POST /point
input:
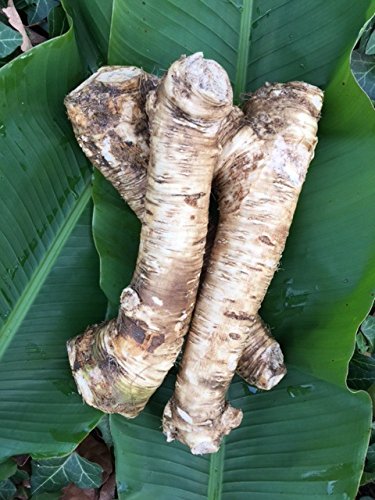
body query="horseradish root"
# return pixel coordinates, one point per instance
(117, 366)
(257, 196)
(109, 119)
(108, 115)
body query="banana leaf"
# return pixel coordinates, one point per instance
(49, 270)
(308, 437)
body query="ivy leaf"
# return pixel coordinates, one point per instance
(363, 67)
(361, 343)
(48, 496)
(40, 10)
(105, 430)
(370, 459)
(55, 473)
(7, 490)
(368, 330)
(370, 45)
(7, 469)
(361, 372)
(9, 40)
(369, 472)
(57, 22)
(19, 476)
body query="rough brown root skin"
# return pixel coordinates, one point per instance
(258, 193)
(185, 115)
(108, 115)
(108, 112)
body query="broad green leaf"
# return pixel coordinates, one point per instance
(361, 371)
(39, 10)
(7, 490)
(363, 67)
(308, 437)
(91, 19)
(57, 22)
(48, 266)
(288, 447)
(55, 473)
(292, 39)
(10, 39)
(40, 411)
(7, 469)
(116, 232)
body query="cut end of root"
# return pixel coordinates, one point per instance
(281, 97)
(274, 370)
(99, 377)
(200, 437)
(113, 75)
(208, 78)
(262, 364)
(197, 85)
(127, 76)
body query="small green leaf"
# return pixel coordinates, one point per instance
(9, 40)
(364, 36)
(40, 10)
(361, 372)
(368, 330)
(22, 4)
(370, 459)
(116, 235)
(363, 67)
(20, 476)
(7, 469)
(55, 473)
(48, 496)
(369, 471)
(7, 490)
(57, 22)
(372, 436)
(105, 430)
(361, 343)
(370, 46)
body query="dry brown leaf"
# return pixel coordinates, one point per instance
(35, 38)
(72, 492)
(21, 459)
(15, 21)
(107, 491)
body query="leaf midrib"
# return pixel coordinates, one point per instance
(42, 271)
(215, 478)
(243, 49)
